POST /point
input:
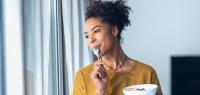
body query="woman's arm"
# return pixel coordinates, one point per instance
(79, 85)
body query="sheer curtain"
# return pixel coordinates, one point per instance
(77, 53)
(46, 37)
(54, 45)
(12, 48)
(2, 71)
(32, 39)
(38, 17)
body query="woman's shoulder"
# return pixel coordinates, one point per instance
(86, 69)
(143, 66)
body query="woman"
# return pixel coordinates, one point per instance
(115, 70)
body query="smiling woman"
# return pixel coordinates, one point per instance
(105, 21)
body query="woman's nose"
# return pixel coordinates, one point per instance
(91, 39)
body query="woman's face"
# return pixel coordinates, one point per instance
(100, 35)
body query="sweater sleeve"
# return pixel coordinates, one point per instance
(157, 82)
(79, 85)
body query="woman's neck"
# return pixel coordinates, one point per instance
(115, 59)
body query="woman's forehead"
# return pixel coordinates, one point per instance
(93, 23)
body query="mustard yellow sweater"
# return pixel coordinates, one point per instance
(139, 74)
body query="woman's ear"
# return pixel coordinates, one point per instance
(115, 31)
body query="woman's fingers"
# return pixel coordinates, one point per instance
(94, 74)
(99, 76)
(99, 70)
(102, 71)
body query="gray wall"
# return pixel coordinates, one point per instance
(161, 29)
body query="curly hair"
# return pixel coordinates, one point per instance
(114, 13)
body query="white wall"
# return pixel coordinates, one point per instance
(161, 29)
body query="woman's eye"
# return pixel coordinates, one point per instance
(86, 36)
(95, 31)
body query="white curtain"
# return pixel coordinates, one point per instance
(43, 43)
(50, 46)
(54, 45)
(36, 29)
(2, 70)
(77, 53)
(12, 48)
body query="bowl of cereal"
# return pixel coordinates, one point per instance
(140, 89)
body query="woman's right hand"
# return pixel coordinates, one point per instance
(100, 78)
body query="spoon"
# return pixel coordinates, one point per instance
(96, 52)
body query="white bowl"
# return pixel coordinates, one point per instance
(148, 89)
